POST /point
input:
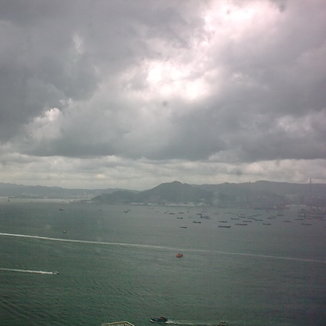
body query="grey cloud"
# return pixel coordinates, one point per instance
(39, 65)
(39, 69)
(269, 76)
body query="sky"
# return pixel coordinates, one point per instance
(130, 94)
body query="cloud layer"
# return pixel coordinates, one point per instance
(224, 84)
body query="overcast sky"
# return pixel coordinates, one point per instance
(132, 93)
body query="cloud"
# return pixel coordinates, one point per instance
(217, 81)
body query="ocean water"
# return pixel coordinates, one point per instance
(69, 264)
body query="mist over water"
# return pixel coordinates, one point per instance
(79, 264)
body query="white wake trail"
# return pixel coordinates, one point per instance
(27, 271)
(138, 245)
(193, 323)
(122, 244)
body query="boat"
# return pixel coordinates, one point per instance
(179, 255)
(159, 319)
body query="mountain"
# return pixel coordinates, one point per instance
(120, 196)
(264, 194)
(174, 192)
(22, 191)
(260, 194)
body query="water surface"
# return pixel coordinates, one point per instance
(118, 263)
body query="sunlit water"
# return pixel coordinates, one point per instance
(82, 264)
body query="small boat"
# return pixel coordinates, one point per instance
(159, 319)
(179, 255)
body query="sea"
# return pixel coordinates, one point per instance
(83, 264)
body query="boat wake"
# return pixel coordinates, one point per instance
(157, 247)
(193, 323)
(27, 271)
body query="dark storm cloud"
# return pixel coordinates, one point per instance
(40, 66)
(109, 67)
